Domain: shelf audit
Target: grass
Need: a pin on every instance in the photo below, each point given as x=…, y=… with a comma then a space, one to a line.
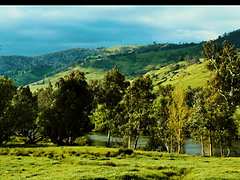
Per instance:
x=110, y=163
x=195, y=75
x=91, y=73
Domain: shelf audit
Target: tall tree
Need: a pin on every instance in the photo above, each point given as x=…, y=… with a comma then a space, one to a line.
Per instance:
x=178, y=116
x=222, y=129
x=7, y=91
x=110, y=93
x=67, y=118
x=25, y=111
x=159, y=132
x=198, y=120
x=46, y=103
x=226, y=65
x=224, y=88
x=137, y=102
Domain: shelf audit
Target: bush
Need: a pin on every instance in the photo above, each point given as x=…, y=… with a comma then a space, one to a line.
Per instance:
x=84, y=141
x=125, y=151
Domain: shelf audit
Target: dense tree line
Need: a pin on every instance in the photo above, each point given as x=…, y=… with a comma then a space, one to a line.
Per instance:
x=117, y=107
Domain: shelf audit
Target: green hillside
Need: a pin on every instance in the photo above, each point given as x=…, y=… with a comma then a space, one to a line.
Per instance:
x=195, y=75
x=91, y=73
x=28, y=69
x=145, y=58
x=131, y=60
x=232, y=37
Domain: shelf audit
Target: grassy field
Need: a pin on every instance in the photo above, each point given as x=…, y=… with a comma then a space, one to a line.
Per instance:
x=195, y=75
x=110, y=163
x=91, y=73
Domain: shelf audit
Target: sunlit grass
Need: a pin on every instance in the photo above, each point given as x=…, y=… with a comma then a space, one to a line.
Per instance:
x=110, y=163
x=195, y=75
x=90, y=73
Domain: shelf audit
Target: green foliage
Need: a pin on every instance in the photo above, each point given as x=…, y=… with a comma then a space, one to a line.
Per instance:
x=211, y=121
x=67, y=117
x=136, y=102
x=84, y=141
x=226, y=63
x=178, y=118
x=24, y=112
x=109, y=93
x=231, y=37
x=158, y=131
x=7, y=125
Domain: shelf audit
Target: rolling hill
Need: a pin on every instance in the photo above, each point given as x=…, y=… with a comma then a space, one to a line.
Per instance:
x=27, y=69
x=158, y=60
x=131, y=60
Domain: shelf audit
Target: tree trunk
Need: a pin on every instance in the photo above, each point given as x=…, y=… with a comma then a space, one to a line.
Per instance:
x=136, y=141
x=129, y=141
x=137, y=136
x=108, y=138
x=210, y=143
x=179, y=147
x=171, y=145
x=229, y=151
x=202, y=145
x=179, y=141
x=167, y=146
x=221, y=150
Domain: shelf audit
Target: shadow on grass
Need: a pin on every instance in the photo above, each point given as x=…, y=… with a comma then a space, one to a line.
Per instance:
x=26, y=145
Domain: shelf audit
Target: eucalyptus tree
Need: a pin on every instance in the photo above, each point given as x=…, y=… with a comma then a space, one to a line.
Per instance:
x=137, y=102
x=159, y=133
x=198, y=120
x=25, y=110
x=223, y=91
x=7, y=91
x=226, y=65
x=67, y=117
x=110, y=91
x=178, y=117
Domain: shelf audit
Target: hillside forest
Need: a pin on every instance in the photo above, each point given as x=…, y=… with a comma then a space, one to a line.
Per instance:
x=70, y=108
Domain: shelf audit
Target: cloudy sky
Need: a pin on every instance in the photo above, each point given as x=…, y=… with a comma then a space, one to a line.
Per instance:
x=33, y=30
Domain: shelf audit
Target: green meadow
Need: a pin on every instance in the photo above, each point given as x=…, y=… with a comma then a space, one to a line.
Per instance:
x=91, y=73
x=84, y=162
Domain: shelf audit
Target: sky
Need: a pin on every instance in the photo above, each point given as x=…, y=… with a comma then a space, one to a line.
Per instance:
x=33, y=30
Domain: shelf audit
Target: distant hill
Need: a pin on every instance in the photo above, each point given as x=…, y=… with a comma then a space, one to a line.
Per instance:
x=143, y=59
x=233, y=37
x=195, y=74
x=131, y=60
x=28, y=69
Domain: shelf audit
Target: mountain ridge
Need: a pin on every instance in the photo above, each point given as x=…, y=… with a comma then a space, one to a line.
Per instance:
x=132, y=60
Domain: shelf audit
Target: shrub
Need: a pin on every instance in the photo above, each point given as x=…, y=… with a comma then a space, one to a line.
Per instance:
x=84, y=141
x=125, y=151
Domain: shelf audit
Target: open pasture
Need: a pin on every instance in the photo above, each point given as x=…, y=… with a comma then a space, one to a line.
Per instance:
x=111, y=163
